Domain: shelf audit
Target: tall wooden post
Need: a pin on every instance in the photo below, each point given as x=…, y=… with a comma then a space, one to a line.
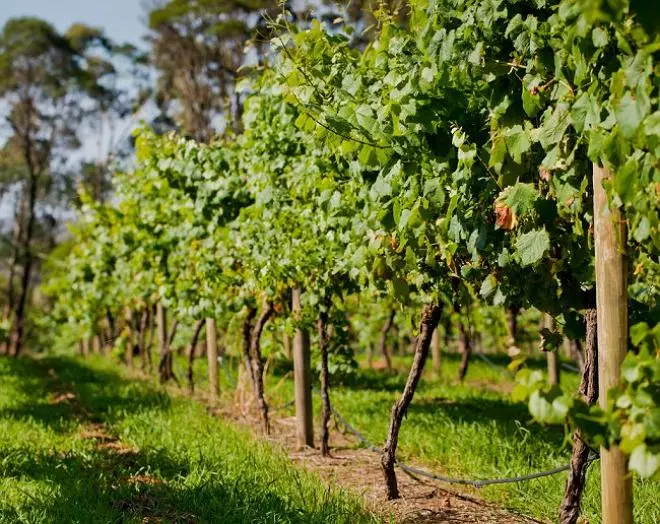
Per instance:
x=612, y=312
x=286, y=340
x=212, y=356
x=96, y=344
x=302, y=378
x=552, y=356
x=161, y=331
x=130, y=343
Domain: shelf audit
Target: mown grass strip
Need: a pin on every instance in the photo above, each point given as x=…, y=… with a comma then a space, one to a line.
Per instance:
x=119, y=450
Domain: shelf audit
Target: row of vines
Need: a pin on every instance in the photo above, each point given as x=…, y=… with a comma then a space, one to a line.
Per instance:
x=478, y=151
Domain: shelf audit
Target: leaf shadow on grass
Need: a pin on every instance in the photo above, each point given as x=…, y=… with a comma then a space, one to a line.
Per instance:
x=138, y=486
x=505, y=417
x=124, y=484
x=97, y=393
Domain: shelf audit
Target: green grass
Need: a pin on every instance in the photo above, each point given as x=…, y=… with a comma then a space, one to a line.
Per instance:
x=474, y=430
x=217, y=473
x=191, y=467
x=470, y=430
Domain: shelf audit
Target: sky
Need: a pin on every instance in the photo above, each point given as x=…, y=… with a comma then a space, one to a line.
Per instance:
x=121, y=19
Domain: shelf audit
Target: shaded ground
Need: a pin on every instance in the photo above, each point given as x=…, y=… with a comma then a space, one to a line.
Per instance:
x=359, y=470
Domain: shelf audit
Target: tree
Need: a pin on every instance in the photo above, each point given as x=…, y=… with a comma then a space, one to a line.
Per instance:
x=197, y=47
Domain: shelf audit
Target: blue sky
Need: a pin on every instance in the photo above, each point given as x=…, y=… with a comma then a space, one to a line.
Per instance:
x=121, y=19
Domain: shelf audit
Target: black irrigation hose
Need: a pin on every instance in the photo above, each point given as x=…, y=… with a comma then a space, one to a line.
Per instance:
x=450, y=480
x=488, y=361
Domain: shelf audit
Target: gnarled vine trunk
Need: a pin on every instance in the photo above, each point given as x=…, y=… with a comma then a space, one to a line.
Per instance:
x=577, y=475
x=247, y=340
x=321, y=325
x=428, y=322
x=257, y=364
x=165, y=364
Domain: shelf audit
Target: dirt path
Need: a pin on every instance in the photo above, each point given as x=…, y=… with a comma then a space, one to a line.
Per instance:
x=358, y=470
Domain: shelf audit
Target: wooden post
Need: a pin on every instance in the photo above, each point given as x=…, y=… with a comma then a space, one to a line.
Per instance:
x=212, y=356
x=130, y=343
x=302, y=378
x=552, y=356
x=612, y=312
x=286, y=339
x=436, y=354
x=96, y=344
x=161, y=332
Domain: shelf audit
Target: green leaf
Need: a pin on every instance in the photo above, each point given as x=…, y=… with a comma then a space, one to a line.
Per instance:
x=517, y=143
x=519, y=197
x=629, y=114
x=532, y=246
x=585, y=113
x=488, y=286
x=644, y=461
x=401, y=288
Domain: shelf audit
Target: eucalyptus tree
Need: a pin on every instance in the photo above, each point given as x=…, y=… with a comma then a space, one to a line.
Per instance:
x=198, y=48
x=46, y=79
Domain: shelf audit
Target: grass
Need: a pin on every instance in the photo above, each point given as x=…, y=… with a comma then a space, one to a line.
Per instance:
x=473, y=430
x=206, y=470
x=158, y=458
x=470, y=430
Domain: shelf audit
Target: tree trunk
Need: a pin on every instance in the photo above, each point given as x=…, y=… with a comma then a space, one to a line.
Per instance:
x=18, y=328
x=465, y=343
x=436, y=353
x=17, y=233
x=325, y=393
x=173, y=330
x=428, y=322
x=85, y=346
x=257, y=364
x=577, y=476
x=109, y=340
x=302, y=378
x=212, y=357
x=383, y=339
x=163, y=346
x=612, y=309
x=552, y=356
x=247, y=340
